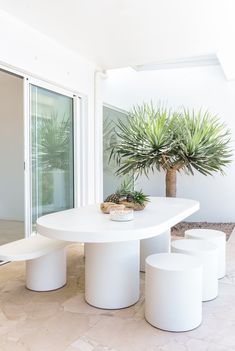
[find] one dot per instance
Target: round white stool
(215, 236)
(207, 253)
(173, 292)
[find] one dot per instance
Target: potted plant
(126, 195)
(160, 139)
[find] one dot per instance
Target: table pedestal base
(112, 274)
(151, 246)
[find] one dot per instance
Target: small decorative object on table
(121, 215)
(105, 206)
(136, 200)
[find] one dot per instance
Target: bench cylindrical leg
(157, 244)
(47, 272)
(112, 274)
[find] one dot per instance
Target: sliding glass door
(52, 154)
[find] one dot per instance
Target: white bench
(45, 261)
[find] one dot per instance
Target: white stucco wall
(26, 49)
(193, 87)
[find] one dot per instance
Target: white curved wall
(193, 87)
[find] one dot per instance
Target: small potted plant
(125, 195)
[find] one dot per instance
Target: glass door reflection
(52, 178)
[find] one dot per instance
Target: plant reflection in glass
(52, 159)
(53, 146)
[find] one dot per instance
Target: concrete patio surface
(62, 321)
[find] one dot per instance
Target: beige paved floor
(62, 321)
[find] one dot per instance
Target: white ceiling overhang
(121, 33)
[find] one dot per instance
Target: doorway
(12, 215)
(39, 153)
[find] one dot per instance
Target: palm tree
(160, 139)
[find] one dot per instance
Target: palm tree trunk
(171, 182)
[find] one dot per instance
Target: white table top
(89, 225)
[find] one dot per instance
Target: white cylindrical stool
(157, 244)
(207, 253)
(215, 236)
(47, 272)
(173, 292)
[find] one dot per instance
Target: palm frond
(204, 142)
(158, 138)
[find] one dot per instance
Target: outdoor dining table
(112, 248)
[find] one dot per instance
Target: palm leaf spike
(126, 187)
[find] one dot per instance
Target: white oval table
(112, 248)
